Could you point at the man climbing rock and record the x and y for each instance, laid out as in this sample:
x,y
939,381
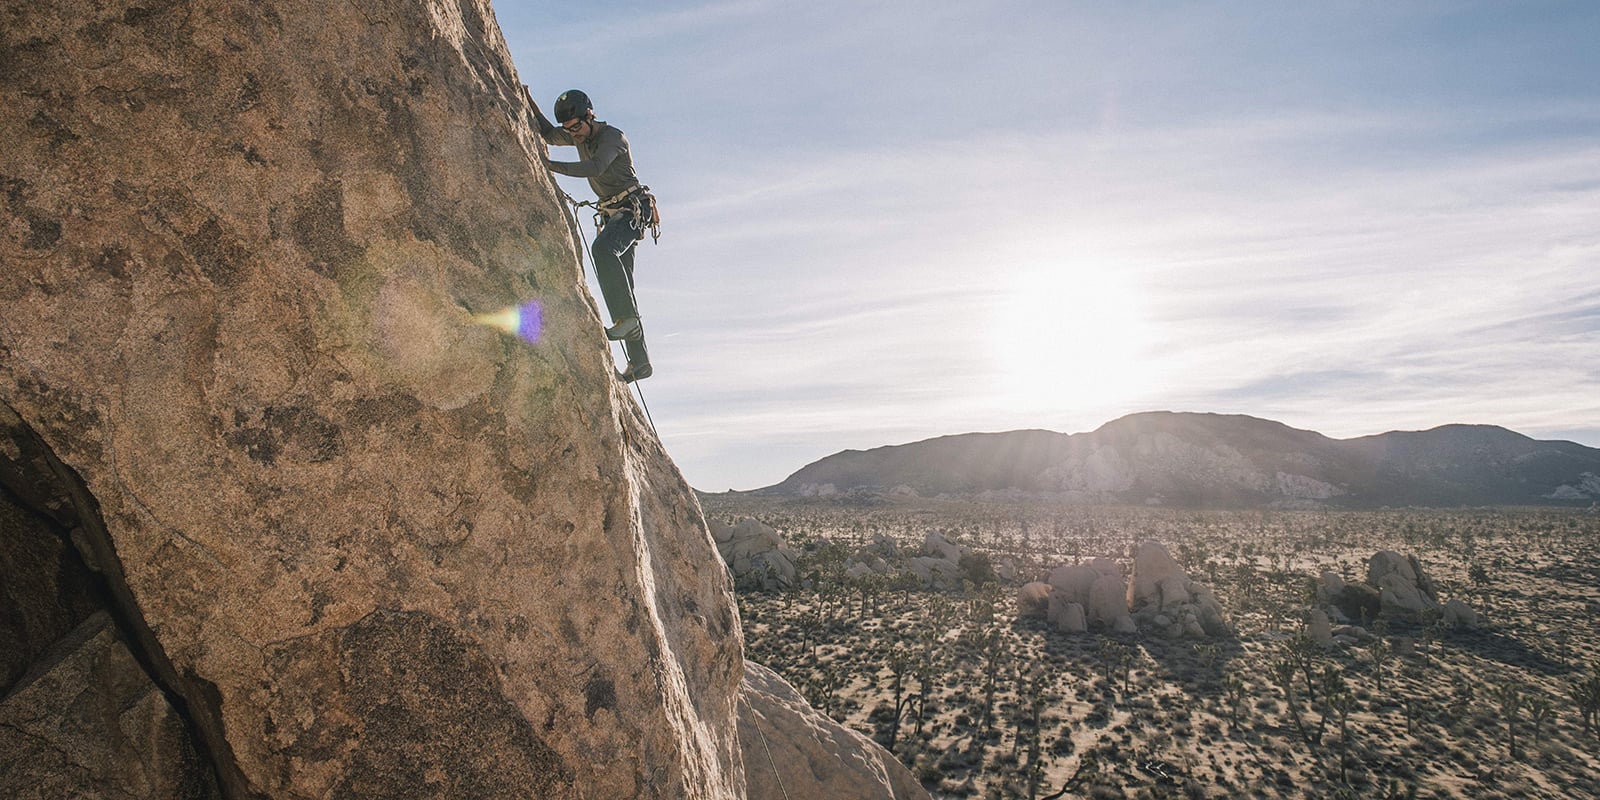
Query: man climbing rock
x,y
626,208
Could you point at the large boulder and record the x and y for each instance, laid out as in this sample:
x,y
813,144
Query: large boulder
x,y
1067,617
1033,599
937,574
756,554
1403,588
1073,581
1160,589
1108,604
1320,627
1457,614
1157,579
1006,570
1099,592
937,545
791,750
298,317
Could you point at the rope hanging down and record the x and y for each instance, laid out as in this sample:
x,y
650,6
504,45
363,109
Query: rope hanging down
x,y
766,747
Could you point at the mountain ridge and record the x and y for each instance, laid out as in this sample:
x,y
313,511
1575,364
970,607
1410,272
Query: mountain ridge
x,y
1196,459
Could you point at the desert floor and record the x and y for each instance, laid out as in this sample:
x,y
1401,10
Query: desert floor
x,y
990,705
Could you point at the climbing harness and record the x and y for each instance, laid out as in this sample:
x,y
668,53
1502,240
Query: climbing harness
x,y
576,228
640,204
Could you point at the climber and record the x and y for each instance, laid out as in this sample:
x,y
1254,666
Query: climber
x,y
627,210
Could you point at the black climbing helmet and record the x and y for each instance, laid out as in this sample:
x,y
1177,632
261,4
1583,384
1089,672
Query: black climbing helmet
x,y
571,105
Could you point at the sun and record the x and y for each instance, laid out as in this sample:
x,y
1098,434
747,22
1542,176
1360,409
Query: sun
x,y
1070,336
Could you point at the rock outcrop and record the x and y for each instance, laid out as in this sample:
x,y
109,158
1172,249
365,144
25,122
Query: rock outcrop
x,y
368,546
1098,589
1396,587
1167,602
791,750
88,722
1033,599
756,554
1159,598
1402,585
1457,614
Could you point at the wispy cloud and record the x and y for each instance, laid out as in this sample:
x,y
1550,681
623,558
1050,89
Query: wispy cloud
x,y
1348,222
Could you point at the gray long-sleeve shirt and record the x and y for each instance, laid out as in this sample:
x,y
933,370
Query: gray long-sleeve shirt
x,y
606,160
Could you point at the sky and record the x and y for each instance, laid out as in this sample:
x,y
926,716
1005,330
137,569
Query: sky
x,y
888,221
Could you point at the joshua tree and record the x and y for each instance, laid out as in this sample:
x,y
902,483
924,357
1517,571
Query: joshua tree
x,y
1208,654
1108,653
1283,674
1480,580
1034,695
995,657
900,665
1340,700
1539,708
1305,653
1125,661
1508,696
1379,651
1233,696
1414,709
1586,696
1300,658
1393,789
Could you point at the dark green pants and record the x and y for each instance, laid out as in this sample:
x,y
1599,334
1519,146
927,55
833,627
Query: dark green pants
x,y
613,268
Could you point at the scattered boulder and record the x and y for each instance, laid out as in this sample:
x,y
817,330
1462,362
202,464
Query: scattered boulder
x,y
1157,579
1108,604
1357,601
1330,587
1006,570
1074,580
1403,588
884,545
1396,586
1352,634
1320,628
756,554
937,574
1067,617
936,545
1161,590
1033,599
1457,614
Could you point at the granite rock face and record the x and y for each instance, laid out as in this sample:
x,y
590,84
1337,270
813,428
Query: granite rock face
x,y
791,750
373,548
88,722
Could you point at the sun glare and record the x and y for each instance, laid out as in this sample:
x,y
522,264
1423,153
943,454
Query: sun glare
x,y
524,322
1070,336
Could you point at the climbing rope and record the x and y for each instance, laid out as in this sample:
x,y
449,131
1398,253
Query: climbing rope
x,y
576,228
770,761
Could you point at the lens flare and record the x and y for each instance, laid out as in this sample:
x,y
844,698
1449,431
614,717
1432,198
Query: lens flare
x,y
523,321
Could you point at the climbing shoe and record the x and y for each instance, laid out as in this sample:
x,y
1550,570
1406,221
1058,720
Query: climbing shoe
x,y
626,328
635,372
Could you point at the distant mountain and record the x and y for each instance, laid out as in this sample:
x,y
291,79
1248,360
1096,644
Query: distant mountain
x,y
1220,461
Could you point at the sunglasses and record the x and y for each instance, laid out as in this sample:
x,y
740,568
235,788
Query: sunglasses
x,y
573,127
